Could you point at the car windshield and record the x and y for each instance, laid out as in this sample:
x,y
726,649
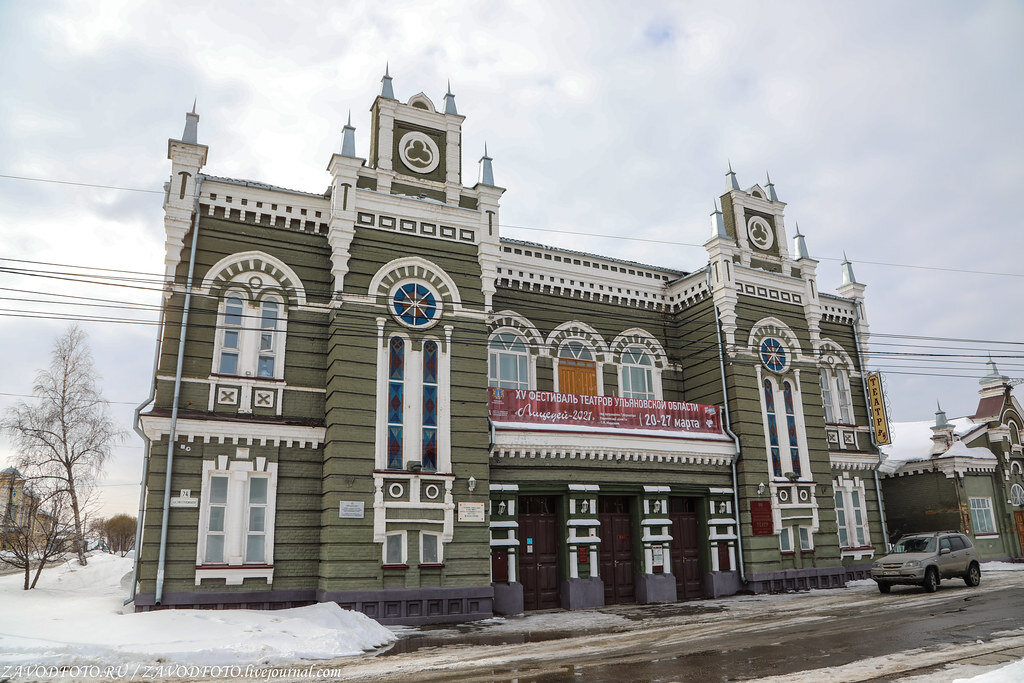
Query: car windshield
x,y
921,544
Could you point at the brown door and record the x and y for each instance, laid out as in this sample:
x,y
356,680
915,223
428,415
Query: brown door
x,y
538,551
577,376
1019,516
616,549
685,548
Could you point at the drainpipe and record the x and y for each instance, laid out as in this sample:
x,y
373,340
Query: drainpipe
x,y
867,404
137,427
735,440
172,435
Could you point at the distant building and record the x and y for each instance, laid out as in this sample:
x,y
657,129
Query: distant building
x,y
17,506
965,474
383,402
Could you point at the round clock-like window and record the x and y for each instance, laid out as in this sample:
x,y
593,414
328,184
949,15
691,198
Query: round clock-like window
x,y
415,305
419,152
761,234
773,354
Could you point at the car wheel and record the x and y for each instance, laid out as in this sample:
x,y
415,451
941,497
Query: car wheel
x,y
884,587
931,580
973,576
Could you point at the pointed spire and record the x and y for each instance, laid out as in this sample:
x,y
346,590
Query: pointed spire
x,y
717,222
731,182
940,416
993,374
799,244
386,91
848,276
348,138
486,171
449,100
771,188
191,132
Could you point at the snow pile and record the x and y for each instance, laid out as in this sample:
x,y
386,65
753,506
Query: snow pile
x,y
1002,566
1011,673
74,617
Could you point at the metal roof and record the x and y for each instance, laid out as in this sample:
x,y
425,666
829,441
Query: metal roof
x,y
635,264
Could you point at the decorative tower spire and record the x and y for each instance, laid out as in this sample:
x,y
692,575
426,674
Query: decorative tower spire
x,y
386,91
942,432
449,101
731,182
848,277
717,223
799,244
486,171
348,138
191,132
771,189
940,416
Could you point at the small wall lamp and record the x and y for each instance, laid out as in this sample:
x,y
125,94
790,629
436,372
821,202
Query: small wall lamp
x,y
471,484
760,489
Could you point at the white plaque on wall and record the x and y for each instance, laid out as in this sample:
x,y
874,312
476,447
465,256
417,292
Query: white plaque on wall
x,y
350,509
471,512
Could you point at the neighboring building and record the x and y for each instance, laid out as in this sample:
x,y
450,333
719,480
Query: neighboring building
x,y
336,439
16,503
965,475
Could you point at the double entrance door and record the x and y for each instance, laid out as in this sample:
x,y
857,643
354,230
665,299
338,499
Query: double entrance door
x,y
1019,518
616,554
686,547
538,551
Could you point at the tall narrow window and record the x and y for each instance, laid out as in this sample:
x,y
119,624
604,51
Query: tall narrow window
x,y
845,398
773,428
826,396
794,448
858,518
844,535
396,399
430,405
268,339
636,374
508,362
232,332
256,530
215,529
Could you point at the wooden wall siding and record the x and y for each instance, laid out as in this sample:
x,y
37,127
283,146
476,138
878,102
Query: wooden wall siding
x,y
923,501
694,342
296,538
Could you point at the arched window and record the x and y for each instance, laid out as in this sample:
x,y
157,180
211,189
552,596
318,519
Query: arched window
x,y
1014,433
794,448
637,381
1017,494
508,362
250,339
396,400
836,396
231,334
429,454
773,428
577,369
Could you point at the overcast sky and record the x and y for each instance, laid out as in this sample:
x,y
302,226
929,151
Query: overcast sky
x,y
892,130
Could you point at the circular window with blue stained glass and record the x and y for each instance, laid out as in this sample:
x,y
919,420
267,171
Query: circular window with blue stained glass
x,y
773,354
415,305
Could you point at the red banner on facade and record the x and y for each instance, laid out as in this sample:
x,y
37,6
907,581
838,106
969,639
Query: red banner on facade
x,y
602,413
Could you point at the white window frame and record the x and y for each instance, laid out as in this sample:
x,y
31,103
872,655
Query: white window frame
x,y
836,395
404,560
981,508
250,336
847,490
524,361
780,423
806,535
786,539
440,548
1017,495
596,357
653,375
233,566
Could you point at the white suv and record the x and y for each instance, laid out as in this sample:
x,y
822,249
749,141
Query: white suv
x,y
925,559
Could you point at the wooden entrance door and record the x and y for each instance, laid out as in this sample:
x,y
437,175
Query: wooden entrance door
x,y
1019,516
686,548
616,549
538,551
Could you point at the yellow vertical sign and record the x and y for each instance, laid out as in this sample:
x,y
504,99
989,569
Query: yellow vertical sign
x,y
876,403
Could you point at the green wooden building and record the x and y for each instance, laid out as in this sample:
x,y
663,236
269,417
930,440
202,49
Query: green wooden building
x,y
964,474
369,396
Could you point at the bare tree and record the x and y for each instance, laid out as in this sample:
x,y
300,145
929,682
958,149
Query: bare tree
x,y
66,434
119,533
39,531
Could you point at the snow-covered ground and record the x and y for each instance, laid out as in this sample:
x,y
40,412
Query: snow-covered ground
x,y
73,616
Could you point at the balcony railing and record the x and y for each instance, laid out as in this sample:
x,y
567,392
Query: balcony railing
x,y
546,410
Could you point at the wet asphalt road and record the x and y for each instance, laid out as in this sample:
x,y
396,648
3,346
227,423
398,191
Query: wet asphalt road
x,y
727,639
